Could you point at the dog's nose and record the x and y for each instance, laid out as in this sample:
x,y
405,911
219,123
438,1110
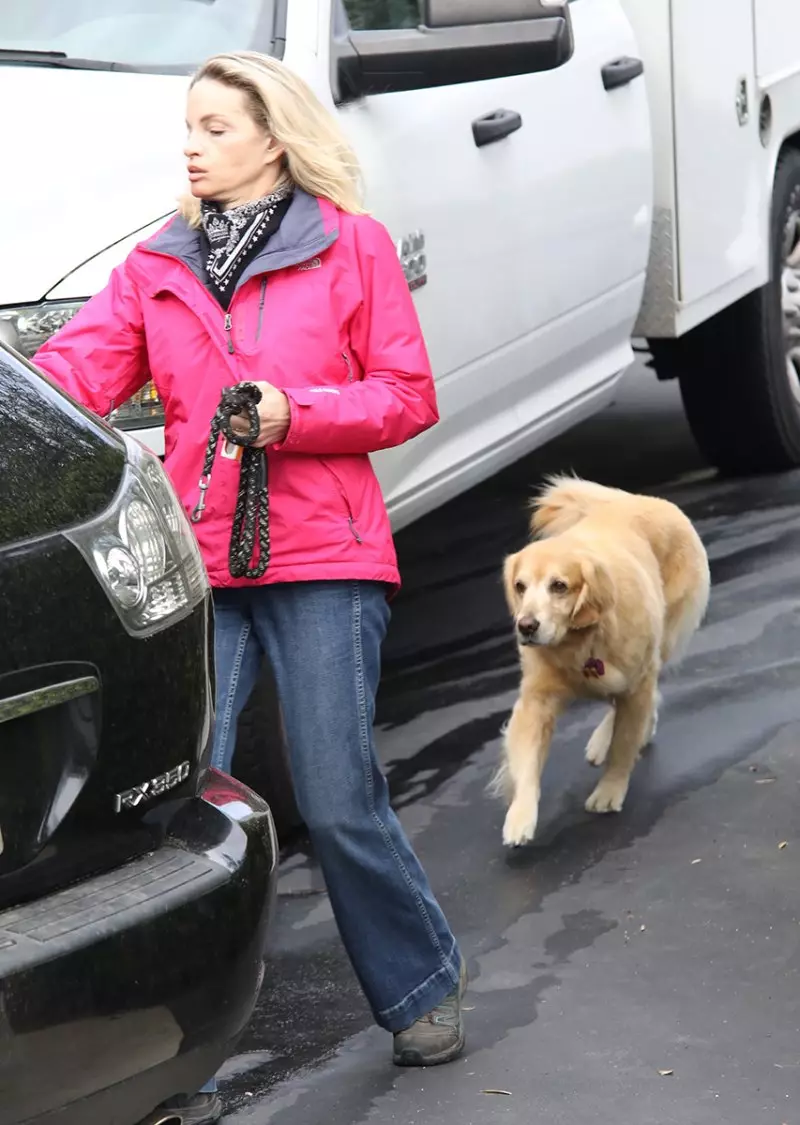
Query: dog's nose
x,y
528,626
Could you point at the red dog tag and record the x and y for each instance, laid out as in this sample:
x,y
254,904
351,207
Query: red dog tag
x,y
594,667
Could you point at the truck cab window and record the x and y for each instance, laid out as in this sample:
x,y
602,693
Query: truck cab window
x,y
382,15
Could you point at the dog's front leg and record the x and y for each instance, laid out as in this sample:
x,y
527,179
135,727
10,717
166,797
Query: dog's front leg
x,y
527,742
633,725
597,748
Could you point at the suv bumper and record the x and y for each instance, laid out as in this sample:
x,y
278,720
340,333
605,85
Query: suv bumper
x,y
133,986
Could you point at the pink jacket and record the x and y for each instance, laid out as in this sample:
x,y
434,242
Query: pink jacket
x,y
324,313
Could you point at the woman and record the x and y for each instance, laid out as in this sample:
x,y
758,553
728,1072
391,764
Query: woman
x,y
272,273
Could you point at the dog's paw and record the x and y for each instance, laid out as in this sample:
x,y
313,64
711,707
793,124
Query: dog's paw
x,y
600,742
520,824
609,796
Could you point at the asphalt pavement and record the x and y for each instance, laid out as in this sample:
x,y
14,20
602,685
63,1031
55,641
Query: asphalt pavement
x,y
634,969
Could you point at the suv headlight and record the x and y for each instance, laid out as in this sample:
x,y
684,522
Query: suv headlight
x,y
33,325
143,549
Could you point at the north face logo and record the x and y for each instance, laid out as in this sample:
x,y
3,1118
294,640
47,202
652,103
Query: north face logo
x,y
313,264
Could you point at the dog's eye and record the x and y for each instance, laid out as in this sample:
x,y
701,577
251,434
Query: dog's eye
x,y
520,587
558,587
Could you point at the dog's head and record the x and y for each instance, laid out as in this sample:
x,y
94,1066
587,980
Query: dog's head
x,y
552,591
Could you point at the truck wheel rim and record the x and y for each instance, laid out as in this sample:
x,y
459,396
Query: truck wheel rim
x,y
790,301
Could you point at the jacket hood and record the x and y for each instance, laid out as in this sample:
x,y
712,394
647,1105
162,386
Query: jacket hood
x,y
309,227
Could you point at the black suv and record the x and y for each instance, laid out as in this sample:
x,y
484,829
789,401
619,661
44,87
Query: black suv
x,y
135,883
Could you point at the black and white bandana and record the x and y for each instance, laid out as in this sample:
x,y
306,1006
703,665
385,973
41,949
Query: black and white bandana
x,y
236,235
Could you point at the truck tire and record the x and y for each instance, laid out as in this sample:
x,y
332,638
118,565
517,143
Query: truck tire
x,y
739,383
261,759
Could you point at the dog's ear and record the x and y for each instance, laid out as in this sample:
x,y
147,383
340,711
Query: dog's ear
x,y
596,596
509,578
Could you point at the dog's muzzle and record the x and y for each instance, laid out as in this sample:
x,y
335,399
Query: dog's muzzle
x,y
527,630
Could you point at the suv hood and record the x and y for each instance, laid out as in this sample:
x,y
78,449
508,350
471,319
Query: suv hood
x,y
69,190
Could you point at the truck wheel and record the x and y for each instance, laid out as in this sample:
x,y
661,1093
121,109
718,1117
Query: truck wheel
x,y
739,373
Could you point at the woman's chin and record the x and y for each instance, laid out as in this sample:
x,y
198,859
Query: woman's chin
x,y
200,190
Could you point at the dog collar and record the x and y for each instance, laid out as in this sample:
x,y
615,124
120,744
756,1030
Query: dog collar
x,y
594,667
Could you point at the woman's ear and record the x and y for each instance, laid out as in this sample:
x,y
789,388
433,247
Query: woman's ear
x,y
596,596
509,578
274,151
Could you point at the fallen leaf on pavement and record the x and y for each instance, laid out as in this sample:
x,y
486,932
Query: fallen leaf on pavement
x,y
666,1073
505,1093
783,844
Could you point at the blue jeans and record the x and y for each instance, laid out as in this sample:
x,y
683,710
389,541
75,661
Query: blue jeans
x,y
323,640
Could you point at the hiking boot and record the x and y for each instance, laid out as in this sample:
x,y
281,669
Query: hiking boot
x,y
202,1109
437,1037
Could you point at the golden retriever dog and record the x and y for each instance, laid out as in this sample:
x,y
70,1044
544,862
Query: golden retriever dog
x,y
612,587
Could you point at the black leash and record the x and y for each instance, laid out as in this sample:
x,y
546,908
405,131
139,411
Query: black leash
x,y
252,499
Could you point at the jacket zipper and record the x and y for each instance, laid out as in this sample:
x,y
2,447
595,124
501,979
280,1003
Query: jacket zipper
x,y
228,332
349,366
229,318
261,307
351,523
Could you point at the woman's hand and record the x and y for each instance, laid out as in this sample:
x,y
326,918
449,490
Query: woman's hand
x,y
275,415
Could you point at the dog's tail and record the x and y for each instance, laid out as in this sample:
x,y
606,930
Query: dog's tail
x,y
565,501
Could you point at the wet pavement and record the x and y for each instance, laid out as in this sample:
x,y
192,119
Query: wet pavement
x,y
637,969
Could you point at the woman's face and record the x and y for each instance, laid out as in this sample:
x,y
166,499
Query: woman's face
x,y
229,158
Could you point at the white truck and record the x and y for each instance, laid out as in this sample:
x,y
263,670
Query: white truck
x,y
559,176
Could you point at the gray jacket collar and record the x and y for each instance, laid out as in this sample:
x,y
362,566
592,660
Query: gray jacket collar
x,y
300,236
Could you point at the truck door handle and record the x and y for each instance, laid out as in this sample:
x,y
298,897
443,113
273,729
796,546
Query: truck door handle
x,y
495,125
619,72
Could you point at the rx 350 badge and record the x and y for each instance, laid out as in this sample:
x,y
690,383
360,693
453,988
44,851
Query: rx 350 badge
x,y
149,790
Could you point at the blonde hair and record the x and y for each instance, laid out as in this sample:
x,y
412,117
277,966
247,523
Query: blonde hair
x,y
318,157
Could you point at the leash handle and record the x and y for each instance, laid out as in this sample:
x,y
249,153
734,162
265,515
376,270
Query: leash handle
x,y
242,399
252,501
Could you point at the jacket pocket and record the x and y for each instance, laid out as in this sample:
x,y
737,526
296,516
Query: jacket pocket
x,y
347,506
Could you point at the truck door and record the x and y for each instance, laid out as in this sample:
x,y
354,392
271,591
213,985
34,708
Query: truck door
x,y
527,200
718,172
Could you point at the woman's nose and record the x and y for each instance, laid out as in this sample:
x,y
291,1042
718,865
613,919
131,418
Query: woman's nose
x,y
191,148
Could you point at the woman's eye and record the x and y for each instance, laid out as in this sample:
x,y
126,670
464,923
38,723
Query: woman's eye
x,y
216,132
558,587
519,587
